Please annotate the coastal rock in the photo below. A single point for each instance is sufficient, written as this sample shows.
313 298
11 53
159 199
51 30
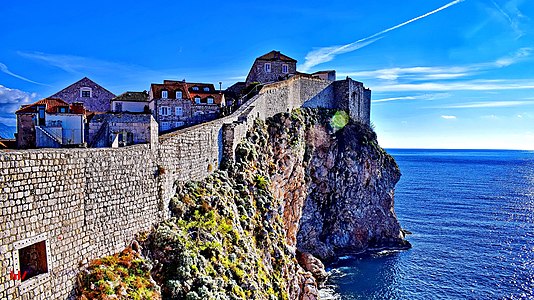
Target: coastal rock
350 202
299 190
336 185
312 265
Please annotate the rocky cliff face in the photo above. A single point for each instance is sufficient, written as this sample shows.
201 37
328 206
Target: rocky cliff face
304 184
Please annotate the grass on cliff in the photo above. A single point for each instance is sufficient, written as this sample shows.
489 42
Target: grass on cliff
226 239
123 275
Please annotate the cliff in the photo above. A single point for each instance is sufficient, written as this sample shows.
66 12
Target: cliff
303 184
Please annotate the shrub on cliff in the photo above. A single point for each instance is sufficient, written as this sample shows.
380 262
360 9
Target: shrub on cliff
124 275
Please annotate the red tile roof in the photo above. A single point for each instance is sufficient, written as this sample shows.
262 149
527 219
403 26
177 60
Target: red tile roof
276 55
51 106
187 90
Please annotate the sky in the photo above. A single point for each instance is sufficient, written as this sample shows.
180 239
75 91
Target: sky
443 74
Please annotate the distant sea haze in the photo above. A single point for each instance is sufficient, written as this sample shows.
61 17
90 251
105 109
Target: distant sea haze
471 213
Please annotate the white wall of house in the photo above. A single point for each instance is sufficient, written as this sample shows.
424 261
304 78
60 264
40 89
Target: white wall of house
129 106
72 125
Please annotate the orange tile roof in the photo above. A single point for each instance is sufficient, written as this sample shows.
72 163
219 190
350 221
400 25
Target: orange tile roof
51 106
187 90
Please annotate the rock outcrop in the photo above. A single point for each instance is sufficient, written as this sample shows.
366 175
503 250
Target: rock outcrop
303 185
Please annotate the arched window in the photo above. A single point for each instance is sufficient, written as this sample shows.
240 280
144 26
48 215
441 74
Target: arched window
206 89
178 94
195 88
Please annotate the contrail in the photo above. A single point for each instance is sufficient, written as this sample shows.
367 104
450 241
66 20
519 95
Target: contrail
326 54
4 69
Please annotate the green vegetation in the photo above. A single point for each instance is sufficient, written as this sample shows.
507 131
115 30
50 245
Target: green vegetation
124 275
226 238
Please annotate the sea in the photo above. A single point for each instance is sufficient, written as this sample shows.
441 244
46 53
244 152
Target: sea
471 215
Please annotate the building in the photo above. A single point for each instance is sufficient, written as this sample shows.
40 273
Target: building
134 102
271 67
122 129
51 123
178 103
94 97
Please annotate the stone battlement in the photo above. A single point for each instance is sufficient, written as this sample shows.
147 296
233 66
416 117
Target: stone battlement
69 206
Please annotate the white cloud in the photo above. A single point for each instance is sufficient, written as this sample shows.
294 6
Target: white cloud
77 64
325 54
433 73
490 117
416 97
490 104
511 14
10 101
449 117
468 85
4 69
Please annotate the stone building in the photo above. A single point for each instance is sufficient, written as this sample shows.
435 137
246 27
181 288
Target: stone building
271 67
94 97
178 103
122 129
135 102
50 123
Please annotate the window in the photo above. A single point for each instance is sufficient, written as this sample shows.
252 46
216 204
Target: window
285 69
165 126
267 67
178 94
33 260
206 89
118 106
178 124
210 100
164 94
164 111
197 100
195 88
179 111
41 110
62 109
85 92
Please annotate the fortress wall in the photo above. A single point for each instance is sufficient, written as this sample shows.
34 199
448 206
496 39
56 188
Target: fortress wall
88 203
84 203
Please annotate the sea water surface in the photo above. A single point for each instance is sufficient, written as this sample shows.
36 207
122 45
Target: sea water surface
471 213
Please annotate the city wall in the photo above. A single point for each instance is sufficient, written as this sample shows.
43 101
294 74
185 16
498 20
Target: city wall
88 203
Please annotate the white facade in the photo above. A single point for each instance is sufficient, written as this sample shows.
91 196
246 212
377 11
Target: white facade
72 127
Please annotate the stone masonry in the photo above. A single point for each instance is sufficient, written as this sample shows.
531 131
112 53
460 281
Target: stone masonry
88 203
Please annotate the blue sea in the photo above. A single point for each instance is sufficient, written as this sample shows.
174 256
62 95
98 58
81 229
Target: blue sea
471 214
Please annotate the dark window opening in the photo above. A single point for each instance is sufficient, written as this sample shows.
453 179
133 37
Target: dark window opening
41 110
33 260
118 106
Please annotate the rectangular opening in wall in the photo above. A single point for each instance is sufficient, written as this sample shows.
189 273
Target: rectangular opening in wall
33 260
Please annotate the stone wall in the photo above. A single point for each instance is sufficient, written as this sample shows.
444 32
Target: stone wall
84 203
87 203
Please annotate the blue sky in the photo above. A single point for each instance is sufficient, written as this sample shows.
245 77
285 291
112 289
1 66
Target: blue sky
444 74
